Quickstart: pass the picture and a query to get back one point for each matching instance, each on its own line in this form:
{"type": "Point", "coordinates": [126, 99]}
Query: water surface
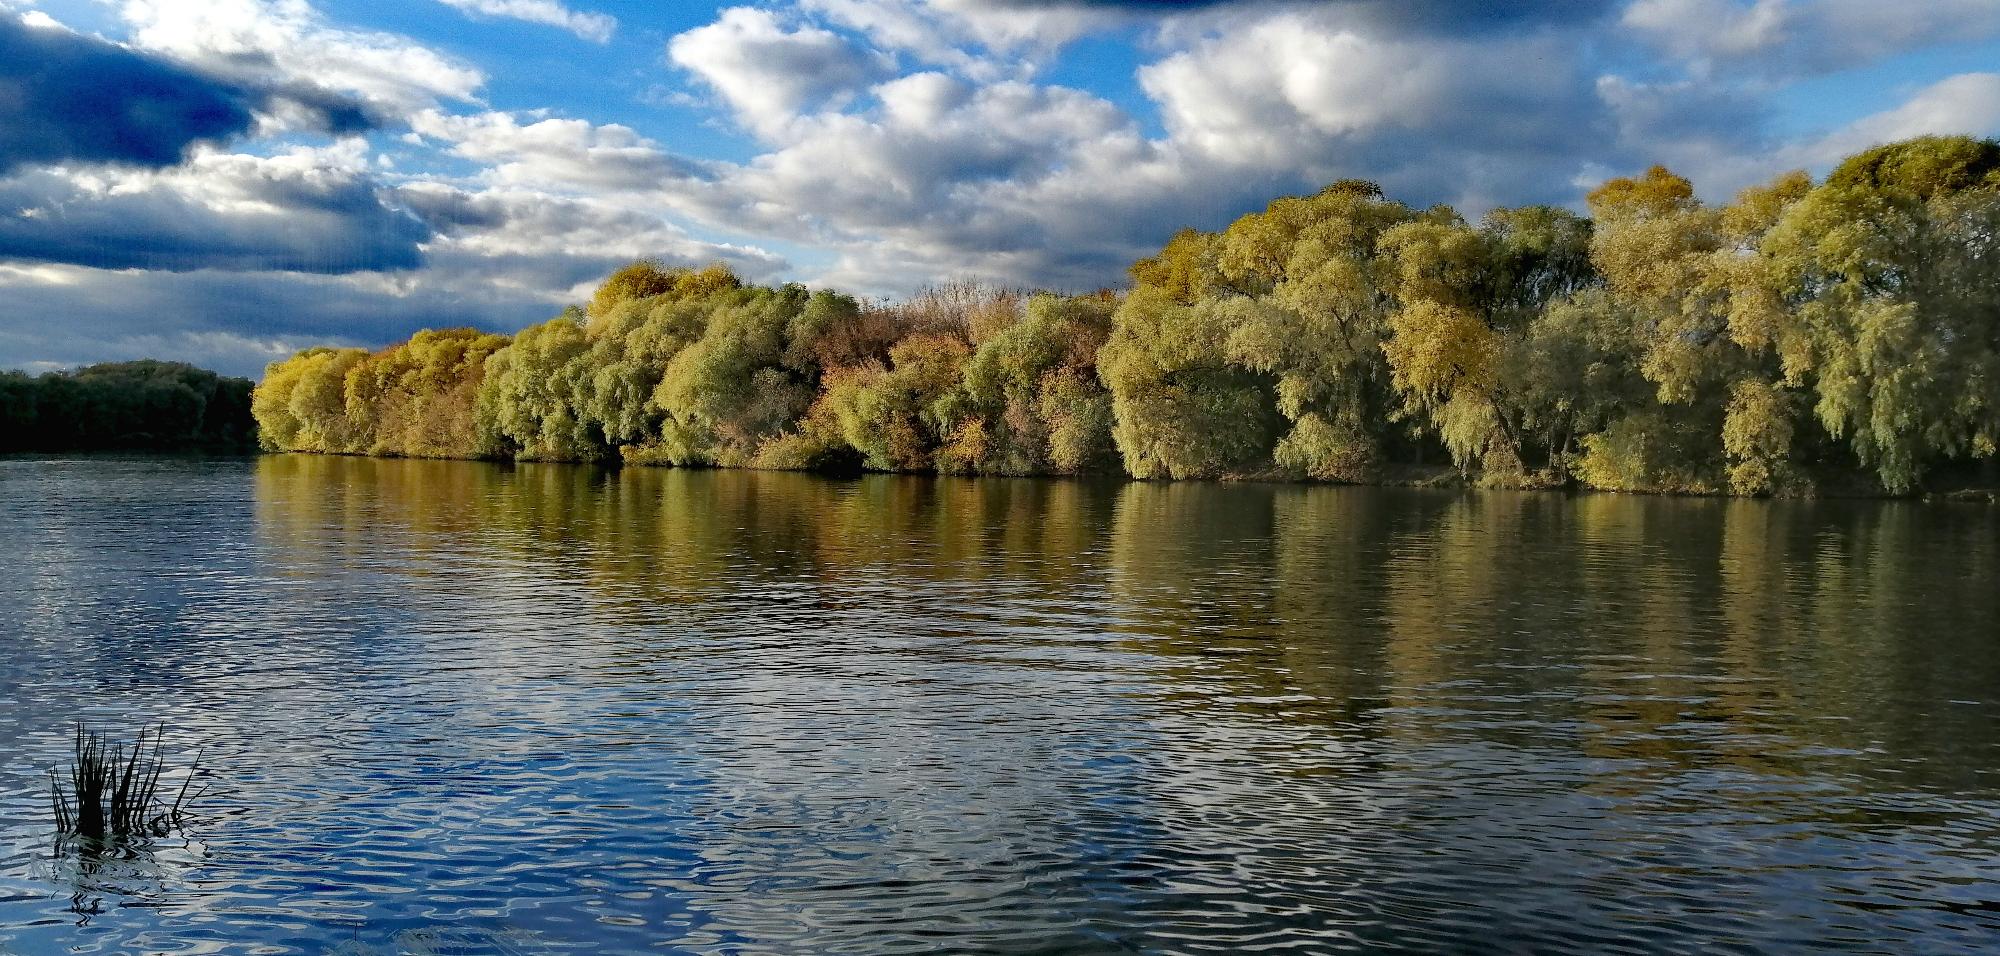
{"type": "Point", "coordinates": [467, 708]}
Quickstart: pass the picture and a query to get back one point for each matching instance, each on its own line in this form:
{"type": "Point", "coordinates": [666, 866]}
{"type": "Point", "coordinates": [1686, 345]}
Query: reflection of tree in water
{"type": "Point", "coordinates": [1338, 683]}
{"type": "Point", "coordinates": [1642, 618]}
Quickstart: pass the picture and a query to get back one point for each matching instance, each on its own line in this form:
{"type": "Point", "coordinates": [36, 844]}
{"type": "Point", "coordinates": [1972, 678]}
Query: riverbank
{"type": "Point", "coordinates": [1434, 477]}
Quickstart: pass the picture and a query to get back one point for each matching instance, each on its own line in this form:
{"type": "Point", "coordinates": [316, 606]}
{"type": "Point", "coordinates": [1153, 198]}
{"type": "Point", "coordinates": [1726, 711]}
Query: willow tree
{"type": "Point", "coordinates": [1466, 299]}
{"type": "Point", "coordinates": [1891, 274]}
{"type": "Point", "coordinates": [1180, 408]}
{"type": "Point", "coordinates": [1316, 316]}
{"type": "Point", "coordinates": [647, 278]}
{"type": "Point", "coordinates": [731, 390]}
{"type": "Point", "coordinates": [418, 397]}
{"type": "Point", "coordinates": [531, 400]}
{"type": "Point", "coordinates": [1270, 330]}
{"type": "Point", "coordinates": [1573, 372]}
{"type": "Point", "coordinates": [630, 348]}
{"type": "Point", "coordinates": [302, 404]}
{"type": "Point", "coordinates": [1029, 402]}
{"type": "Point", "coordinates": [887, 413]}
{"type": "Point", "coordinates": [1656, 246]}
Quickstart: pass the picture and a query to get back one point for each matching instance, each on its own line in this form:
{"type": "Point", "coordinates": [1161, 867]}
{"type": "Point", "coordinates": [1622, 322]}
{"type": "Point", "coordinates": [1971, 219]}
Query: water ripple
{"type": "Point", "coordinates": [461, 708]}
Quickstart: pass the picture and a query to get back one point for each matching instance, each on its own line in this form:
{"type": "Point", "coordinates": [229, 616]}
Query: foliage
{"type": "Point", "coordinates": [1027, 402]}
{"type": "Point", "coordinates": [647, 279]}
{"type": "Point", "coordinates": [125, 405]}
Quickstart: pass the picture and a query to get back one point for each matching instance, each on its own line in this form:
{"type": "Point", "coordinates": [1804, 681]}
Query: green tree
{"type": "Point", "coordinates": [1893, 282]}
{"type": "Point", "coordinates": [1013, 414]}
{"type": "Point", "coordinates": [530, 402]}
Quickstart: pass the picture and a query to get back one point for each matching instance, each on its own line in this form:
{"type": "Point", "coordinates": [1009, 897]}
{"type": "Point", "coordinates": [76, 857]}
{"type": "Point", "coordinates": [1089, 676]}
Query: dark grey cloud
{"type": "Point", "coordinates": [1767, 41]}
{"type": "Point", "coordinates": [69, 97]}
{"type": "Point", "coordinates": [324, 110]}
{"type": "Point", "coordinates": [234, 323]}
{"type": "Point", "coordinates": [496, 260]}
{"type": "Point", "coordinates": [235, 213]}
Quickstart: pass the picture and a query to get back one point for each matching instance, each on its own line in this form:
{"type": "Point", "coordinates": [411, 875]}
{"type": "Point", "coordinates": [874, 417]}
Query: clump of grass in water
{"type": "Point", "coordinates": [113, 793]}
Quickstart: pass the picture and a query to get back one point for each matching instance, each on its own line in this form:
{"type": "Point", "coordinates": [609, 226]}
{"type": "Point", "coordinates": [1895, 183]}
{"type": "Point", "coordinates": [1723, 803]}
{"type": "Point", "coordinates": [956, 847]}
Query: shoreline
{"type": "Point", "coordinates": [1420, 477]}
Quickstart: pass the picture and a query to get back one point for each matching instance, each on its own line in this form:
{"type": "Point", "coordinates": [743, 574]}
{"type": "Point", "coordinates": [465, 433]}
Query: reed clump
{"type": "Point", "coordinates": [113, 790]}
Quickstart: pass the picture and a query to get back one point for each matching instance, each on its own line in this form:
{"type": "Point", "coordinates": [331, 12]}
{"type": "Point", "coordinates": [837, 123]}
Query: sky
{"type": "Point", "coordinates": [225, 182]}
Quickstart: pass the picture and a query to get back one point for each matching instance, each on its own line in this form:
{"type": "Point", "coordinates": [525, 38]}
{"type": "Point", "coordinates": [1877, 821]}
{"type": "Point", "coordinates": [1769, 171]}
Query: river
{"type": "Point", "coordinates": [456, 707]}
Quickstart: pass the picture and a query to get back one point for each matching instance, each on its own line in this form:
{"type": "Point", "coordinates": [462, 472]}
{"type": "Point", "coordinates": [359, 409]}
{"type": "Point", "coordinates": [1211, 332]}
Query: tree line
{"type": "Point", "coordinates": [1805, 337]}
{"type": "Point", "coordinates": [145, 405]}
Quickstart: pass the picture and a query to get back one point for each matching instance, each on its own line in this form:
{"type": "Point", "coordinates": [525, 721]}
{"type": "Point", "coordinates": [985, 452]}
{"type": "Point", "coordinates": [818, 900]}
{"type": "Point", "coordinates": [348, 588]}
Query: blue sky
{"type": "Point", "coordinates": [225, 181]}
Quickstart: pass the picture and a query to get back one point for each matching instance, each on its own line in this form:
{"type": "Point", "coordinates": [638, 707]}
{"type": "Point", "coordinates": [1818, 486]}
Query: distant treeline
{"type": "Point", "coordinates": [140, 406]}
{"type": "Point", "coordinates": [1807, 336]}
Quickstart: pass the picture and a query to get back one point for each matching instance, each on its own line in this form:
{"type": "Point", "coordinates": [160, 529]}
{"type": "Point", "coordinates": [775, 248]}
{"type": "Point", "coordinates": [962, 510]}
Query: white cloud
{"type": "Point", "coordinates": [1717, 137]}
{"type": "Point", "coordinates": [1966, 104]}
{"type": "Point", "coordinates": [1291, 89]}
{"type": "Point", "coordinates": [552, 248]}
{"type": "Point", "coordinates": [980, 39]}
{"type": "Point", "coordinates": [939, 176]}
{"type": "Point", "coordinates": [596, 27]}
{"type": "Point", "coordinates": [234, 323]}
{"type": "Point", "coordinates": [278, 43]}
{"type": "Point", "coordinates": [932, 144]}
{"type": "Point", "coordinates": [560, 154]}
{"type": "Point", "coordinates": [494, 258]}
{"type": "Point", "coordinates": [942, 173]}
{"type": "Point", "coordinates": [1701, 30]}
{"type": "Point", "coordinates": [768, 73]}
{"type": "Point", "coordinates": [1791, 37]}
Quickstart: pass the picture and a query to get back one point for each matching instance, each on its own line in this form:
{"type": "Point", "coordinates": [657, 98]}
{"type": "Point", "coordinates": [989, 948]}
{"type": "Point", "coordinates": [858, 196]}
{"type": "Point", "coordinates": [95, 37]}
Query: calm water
{"type": "Point", "coordinates": [464, 708]}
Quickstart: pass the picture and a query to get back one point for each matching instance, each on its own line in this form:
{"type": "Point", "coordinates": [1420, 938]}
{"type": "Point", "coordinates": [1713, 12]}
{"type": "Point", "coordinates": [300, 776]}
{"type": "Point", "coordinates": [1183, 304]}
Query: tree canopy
{"type": "Point", "coordinates": [143, 405]}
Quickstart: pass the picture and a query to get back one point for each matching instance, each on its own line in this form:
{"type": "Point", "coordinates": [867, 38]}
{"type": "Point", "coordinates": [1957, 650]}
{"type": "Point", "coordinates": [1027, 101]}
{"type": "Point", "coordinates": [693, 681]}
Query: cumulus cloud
{"type": "Point", "coordinates": [1290, 89]}
{"type": "Point", "coordinates": [68, 97]}
{"type": "Point", "coordinates": [596, 27]}
{"type": "Point", "coordinates": [1019, 21]}
{"type": "Point", "coordinates": [1786, 37]}
{"type": "Point", "coordinates": [564, 154]}
{"type": "Point", "coordinates": [946, 172]}
{"type": "Point", "coordinates": [288, 45]}
{"type": "Point", "coordinates": [1966, 104]}
{"type": "Point", "coordinates": [939, 168]}
{"type": "Point", "coordinates": [496, 259]}
{"type": "Point", "coordinates": [1719, 138]}
{"type": "Point", "coordinates": [769, 73]}
{"type": "Point", "coordinates": [1713, 134]}
{"type": "Point", "coordinates": [553, 248]}
{"type": "Point", "coordinates": [980, 39]}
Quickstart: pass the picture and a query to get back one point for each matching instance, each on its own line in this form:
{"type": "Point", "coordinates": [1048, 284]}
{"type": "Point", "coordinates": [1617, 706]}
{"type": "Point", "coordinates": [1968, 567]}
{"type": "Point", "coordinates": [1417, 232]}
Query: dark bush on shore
{"type": "Point", "coordinates": [142, 406]}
